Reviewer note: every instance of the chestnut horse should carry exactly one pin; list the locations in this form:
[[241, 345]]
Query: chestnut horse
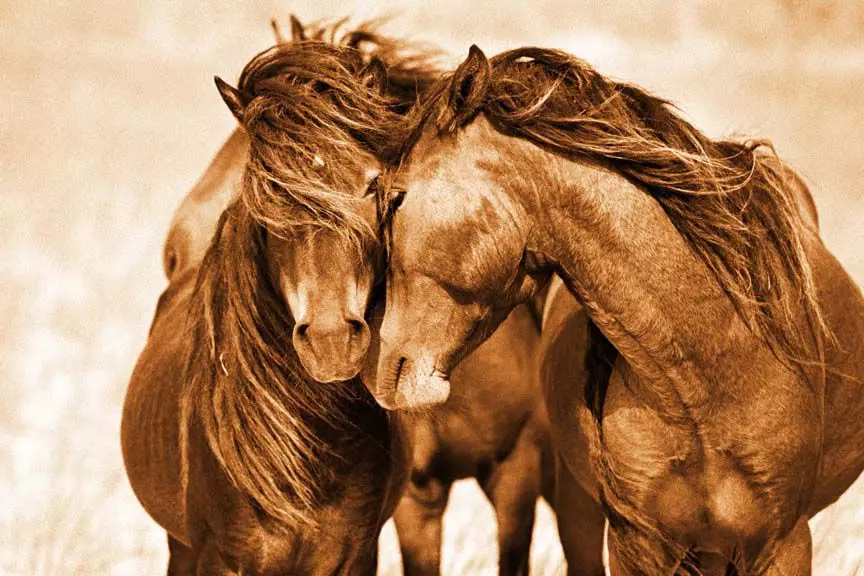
[[721, 407], [501, 446], [268, 471], [499, 439]]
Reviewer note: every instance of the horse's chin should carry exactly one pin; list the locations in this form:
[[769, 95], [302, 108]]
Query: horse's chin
[[413, 392], [416, 392]]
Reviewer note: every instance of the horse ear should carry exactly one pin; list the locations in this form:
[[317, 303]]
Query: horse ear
[[277, 32], [234, 98], [297, 33], [468, 86], [374, 75]]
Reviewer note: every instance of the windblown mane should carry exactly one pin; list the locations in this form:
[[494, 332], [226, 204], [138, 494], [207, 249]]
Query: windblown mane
[[272, 430], [264, 421], [731, 201], [311, 121]]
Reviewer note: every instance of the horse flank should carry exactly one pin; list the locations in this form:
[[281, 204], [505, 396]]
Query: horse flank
[[309, 115]]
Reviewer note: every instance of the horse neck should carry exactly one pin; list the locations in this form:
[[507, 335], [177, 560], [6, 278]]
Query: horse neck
[[638, 280]]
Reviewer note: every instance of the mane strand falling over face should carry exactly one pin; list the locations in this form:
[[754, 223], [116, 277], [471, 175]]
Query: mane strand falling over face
[[243, 382], [313, 111]]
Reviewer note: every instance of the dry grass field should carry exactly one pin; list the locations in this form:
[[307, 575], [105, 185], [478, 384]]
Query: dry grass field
[[109, 115]]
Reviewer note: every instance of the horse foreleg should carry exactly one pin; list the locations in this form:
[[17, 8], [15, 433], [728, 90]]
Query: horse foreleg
[[633, 553], [792, 554], [212, 563], [513, 489], [418, 518], [580, 524], [182, 561]]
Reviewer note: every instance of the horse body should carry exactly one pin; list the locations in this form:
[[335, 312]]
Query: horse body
[[150, 427], [213, 528], [495, 431], [699, 425], [195, 219]]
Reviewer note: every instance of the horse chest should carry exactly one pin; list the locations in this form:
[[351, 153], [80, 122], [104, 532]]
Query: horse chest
[[715, 482]]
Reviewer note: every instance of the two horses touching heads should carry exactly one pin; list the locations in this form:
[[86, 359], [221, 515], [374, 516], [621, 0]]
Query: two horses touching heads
[[696, 365], [230, 443]]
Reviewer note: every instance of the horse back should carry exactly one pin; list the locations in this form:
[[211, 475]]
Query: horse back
[[194, 221], [803, 198], [842, 306]]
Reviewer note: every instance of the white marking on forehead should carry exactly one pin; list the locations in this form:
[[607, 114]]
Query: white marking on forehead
[[319, 161]]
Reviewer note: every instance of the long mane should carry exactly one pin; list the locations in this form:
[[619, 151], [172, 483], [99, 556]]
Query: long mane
[[731, 201], [311, 119], [263, 419], [272, 430]]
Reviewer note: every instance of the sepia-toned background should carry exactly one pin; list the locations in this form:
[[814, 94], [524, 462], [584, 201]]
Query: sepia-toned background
[[108, 115]]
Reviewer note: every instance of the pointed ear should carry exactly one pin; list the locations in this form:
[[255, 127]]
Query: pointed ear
[[468, 86], [297, 33], [277, 32], [234, 98], [374, 75]]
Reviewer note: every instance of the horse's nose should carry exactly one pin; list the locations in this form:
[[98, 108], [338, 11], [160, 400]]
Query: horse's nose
[[332, 350]]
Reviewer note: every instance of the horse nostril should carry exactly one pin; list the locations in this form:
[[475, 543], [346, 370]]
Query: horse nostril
[[356, 327], [398, 369], [301, 330]]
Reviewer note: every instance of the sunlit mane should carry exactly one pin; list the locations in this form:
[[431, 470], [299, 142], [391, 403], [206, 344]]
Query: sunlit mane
[[310, 120], [731, 201], [265, 423]]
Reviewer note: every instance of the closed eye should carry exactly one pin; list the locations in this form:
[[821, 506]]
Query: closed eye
[[396, 199], [373, 187]]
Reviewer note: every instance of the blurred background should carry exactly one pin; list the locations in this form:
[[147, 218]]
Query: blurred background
[[109, 115]]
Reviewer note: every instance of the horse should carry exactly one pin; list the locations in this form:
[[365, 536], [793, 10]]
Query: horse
[[495, 448], [720, 403], [249, 464], [502, 442]]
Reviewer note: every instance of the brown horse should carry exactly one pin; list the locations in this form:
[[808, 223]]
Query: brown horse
[[500, 447], [268, 471], [500, 441], [722, 402]]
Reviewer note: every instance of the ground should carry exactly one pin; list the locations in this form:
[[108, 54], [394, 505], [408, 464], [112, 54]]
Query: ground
[[109, 115]]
